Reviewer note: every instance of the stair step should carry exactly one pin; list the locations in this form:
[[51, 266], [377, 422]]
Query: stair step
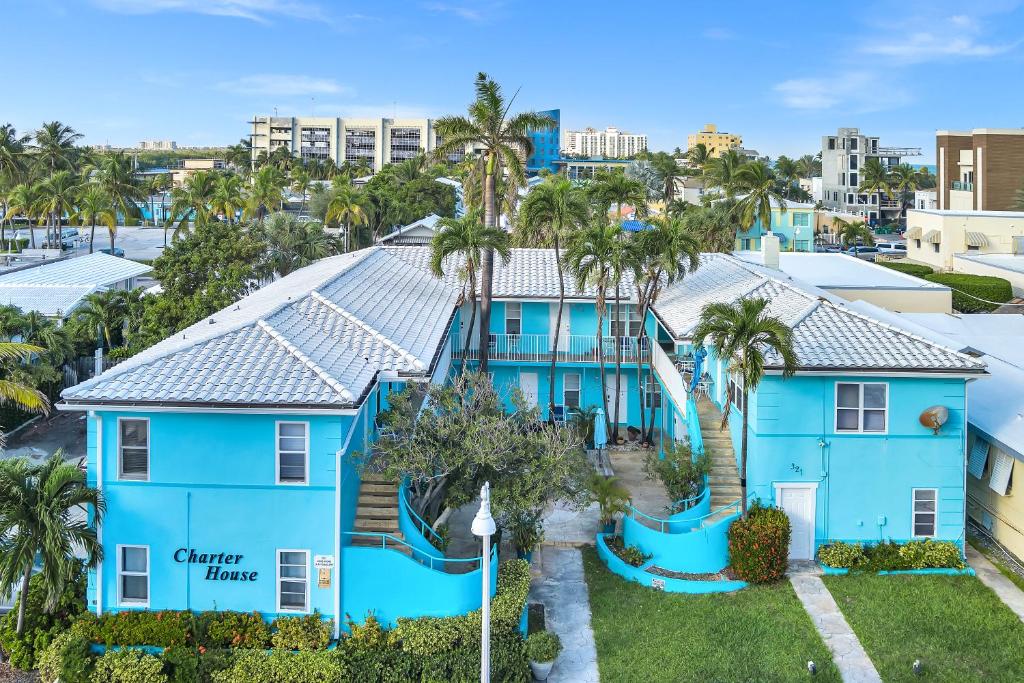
[[376, 512], [378, 500], [375, 478], [385, 525], [391, 489], [375, 542]]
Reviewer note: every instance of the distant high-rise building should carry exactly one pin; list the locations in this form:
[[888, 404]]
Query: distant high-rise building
[[161, 145], [979, 170], [610, 143], [545, 144], [715, 142]]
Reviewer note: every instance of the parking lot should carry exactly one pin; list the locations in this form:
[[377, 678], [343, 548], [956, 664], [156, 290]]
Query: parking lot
[[139, 244]]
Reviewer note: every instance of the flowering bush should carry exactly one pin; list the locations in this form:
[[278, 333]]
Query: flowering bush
[[234, 629], [759, 545]]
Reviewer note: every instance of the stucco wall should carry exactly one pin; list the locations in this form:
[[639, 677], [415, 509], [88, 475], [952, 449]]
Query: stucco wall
[[923, 300]]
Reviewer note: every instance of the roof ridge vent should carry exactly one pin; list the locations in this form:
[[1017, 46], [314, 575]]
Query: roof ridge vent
[[406, 355], [306, 360]]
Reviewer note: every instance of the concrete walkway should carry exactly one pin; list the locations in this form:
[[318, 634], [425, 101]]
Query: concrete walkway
[[852, 661], [994, 579], [563, 590]]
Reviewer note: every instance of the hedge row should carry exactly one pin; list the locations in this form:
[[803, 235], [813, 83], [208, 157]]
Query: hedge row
[[230, 647], [968, 289], [915, 269], [890, 556]]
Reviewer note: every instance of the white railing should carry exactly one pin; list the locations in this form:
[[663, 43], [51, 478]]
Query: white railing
[[572, 348], [671, 378]]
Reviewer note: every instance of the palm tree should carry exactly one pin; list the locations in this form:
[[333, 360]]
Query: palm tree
[[905, 180], [57, 195], [612, 187], [347, 206], [301, 180], [295, 245], [54, 339], [41, 516], [240, 155], [786, 173], [624, 258], [677, 207], [114, 173], [227, 196], [742, 333], [12, 152], [854, 233], [874, 178], [698, 156], [504, 142], [94, 206], [721, 172], [713, 226], [55, 146], [669, 171], [471, 239], [103, 311], [808, 166], [266, 193], [590, 260], [550, 213], [758, 181], [191, 201], [24, 199], [665, 253]]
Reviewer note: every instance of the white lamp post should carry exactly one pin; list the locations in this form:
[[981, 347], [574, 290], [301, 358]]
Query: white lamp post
[[483, 526]]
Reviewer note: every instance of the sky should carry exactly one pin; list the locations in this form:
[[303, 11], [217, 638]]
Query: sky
[[780, 74]]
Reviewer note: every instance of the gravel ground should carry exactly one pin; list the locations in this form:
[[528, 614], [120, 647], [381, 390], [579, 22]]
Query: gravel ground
[[44, 436], [980, 536], [9, 674]]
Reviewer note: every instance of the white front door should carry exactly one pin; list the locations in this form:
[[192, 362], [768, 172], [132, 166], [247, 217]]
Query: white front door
[[623, 399], [563, 326], [528, 385], [797, 501]]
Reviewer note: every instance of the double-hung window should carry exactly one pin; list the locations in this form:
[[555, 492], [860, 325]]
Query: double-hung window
[[133, 575], [133, 448], [292, 580], [571, 390], [926, 502], [652, 396], [862, 406], [735, 390], [292, 452], [513, 318]]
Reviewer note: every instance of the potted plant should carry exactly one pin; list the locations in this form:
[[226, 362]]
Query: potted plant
[[527, 532], [542, 648], [611, 497]]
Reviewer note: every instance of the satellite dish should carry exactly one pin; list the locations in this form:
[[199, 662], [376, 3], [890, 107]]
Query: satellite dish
[[933, 418]]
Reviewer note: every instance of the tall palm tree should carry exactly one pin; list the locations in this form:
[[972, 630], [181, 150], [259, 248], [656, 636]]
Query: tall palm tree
[[114, 173], [227, 197], [347, 206], [742, 334], [94, 206], [589, 256], [758, 181], [57, 195], [43, 514], [808, 166], [469, 238], [665, 253], [266, 193], [295, 245], [104, 311], [550, 213], [698, 156], [713, 226], [904, 180], [853, 233], [624, 258], [58, 345], [721, 172], [677, 207], [300, 182], [786, 173], [24, 199], [504, 142], [613, 188], [12, 152], [192, 202], [670, 172], [55, 146], [874, 178]]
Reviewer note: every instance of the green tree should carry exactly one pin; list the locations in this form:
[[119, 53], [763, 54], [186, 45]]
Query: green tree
[[295, 244], [266, 193], [94, 206], [227, 197], [905, 180], [698, 156], [300, 183], [57, 195], [55, 146], [722, 172], [24, 198], [590, 255], [852, 233], [808, 166], [191, 202], [504, 142], [40, 510], [470, 239], [240, 155], [550, 213], [758, 182], [114, 173], [669, 172], [12, 153], [610, 188], [742, 334], [347, 206], [874, 178], [102, 311], [624, 258]]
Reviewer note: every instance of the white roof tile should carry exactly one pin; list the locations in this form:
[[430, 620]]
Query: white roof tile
[[97, 270]]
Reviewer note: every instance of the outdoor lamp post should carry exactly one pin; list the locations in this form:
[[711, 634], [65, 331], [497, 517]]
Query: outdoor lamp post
[[483, 526]]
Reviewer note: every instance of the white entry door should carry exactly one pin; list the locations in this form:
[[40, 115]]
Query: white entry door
[[563, 326], [528, 385], [797, 501], [623, 399]]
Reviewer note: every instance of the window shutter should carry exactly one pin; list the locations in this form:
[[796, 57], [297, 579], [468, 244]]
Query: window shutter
[[1002, 468], [978, 458]]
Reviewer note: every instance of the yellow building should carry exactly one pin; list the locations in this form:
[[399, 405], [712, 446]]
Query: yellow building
[[715, 142]]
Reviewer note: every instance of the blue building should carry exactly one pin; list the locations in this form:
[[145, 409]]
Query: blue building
[[546, 145], [793, 225], [228, 452]]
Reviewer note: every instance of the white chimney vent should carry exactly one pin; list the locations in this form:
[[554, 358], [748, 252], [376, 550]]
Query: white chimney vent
[[770, 250]]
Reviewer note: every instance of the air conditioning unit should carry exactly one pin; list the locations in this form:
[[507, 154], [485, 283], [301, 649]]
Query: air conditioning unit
[[1018, 246]]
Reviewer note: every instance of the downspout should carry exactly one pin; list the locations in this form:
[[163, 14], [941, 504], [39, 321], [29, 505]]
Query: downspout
[[99, 527], [337, 523], [963, 462]]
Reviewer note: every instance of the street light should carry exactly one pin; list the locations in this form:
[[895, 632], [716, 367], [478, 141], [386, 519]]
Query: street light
[[483, 526]]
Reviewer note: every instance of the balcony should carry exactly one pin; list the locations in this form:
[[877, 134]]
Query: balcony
[[536, 348], [962, 186]]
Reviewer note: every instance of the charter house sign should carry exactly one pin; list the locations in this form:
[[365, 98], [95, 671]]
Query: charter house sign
[[219, 566]]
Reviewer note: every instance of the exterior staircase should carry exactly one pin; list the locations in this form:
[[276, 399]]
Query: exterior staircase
[[724, 477], [377, 513]]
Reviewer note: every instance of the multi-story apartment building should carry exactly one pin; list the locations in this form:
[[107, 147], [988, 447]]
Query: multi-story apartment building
[[981, 169], [162, 145], [546, 144], [715, 142], [843, 155], [610, 143]]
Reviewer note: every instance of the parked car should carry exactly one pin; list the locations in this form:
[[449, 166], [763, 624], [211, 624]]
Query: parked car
[[828, 249], [892, 248], [866, 253], [116, 251]]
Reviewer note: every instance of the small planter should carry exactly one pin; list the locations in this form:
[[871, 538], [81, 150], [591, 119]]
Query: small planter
[[608, 528], [541, 670]]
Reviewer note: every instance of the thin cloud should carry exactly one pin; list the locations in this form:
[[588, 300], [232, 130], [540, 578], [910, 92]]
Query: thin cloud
[[929, 38], [719, 33], [283, 85], [855, 92], [461, 11], [259, 11]]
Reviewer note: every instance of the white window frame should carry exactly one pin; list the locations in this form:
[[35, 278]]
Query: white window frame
[[277, 580], [652, 392], [121, 476], [860, 410], [914, 513], [578, 390], [518, 304], [277, 454], [121, 600]]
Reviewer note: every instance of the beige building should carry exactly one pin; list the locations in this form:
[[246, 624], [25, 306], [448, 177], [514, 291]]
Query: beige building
[[610, 143], [375, 142], [979, 170], [189, 166], [935, 237], [715, 142]]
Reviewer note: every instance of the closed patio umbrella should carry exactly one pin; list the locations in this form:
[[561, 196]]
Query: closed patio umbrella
[[600, 430]]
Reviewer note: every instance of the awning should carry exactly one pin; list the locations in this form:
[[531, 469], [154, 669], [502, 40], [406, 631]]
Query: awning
[[914, 233], [1002, 468], [976, 239], [978, 457], [932, 236]]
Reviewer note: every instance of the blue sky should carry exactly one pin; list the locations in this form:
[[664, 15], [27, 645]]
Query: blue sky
[[781, 74]]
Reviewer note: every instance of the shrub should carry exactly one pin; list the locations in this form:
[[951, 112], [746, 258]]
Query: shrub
[[233, 629], [163, 629], [543, 646], [631, 555], [41, 626], [305, 633], [67, 658], [884, 556], [678, 470], [192, 665], [966, 287], [128, 666], [915, 269], [279, 666], [931, 554], [759, 544], [842, 555]]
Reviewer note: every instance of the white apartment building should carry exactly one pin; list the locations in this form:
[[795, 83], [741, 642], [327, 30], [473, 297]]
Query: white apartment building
[[375, 142], [843, 155], [162, 145], [610, 143]]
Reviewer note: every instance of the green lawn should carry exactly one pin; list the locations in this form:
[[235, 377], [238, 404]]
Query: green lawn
[[759, 634], [956, 626]]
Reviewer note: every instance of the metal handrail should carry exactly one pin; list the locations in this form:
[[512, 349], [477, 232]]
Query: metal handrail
[[385, 537], [699, 520], [404, 501]]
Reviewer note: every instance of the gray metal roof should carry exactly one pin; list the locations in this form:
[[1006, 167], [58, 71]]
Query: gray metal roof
[[53, 301], [97, 270]]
